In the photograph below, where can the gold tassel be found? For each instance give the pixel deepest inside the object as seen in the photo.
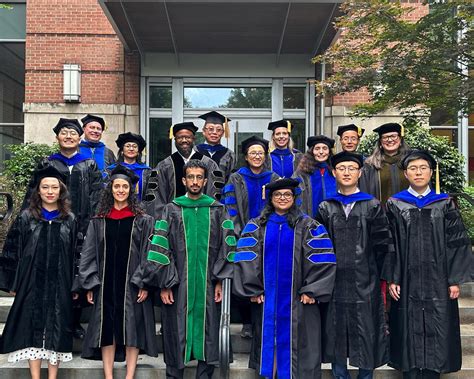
(359, 131)
(288, 125)
(105, 126)
(438, 190)
(263, 192)
(226, 129)
(402, 131)
(171, 133)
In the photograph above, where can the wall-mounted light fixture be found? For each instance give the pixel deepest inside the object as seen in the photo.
(72, 83)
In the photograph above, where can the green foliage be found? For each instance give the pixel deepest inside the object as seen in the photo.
(249, 98)
(25, 157)
(418, 137)
(467, 211)
(404, 64)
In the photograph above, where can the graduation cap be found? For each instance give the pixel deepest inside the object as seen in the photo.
(90, 118)
(182, 126)
(69, 123)
(122, 172)
(131, 137)
(254, 140)
(423, 154)
(214, 117)
(281, 183)
(390, 127)
(320, 139)
(280, 124)
(347, 156)
(49, 171)
(344, 128)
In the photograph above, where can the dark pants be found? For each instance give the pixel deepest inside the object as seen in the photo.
(421, 374)
(203, 371)
(340, 372)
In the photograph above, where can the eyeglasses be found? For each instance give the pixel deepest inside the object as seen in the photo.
(392, 137)
(184, 138)
(423, 168)
(72, 133)
(131, 146)
(282, 195)
(349, 139)
(255, 154)
(194, 177)
(214, 130)
(350, 169)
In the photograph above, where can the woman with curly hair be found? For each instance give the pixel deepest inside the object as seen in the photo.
(117, 276)
(38, 269)
(317, 182)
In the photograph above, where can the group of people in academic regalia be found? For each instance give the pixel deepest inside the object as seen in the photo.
(334, 258)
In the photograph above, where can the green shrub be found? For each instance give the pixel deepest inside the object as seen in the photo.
(418, 137)
(467, 211)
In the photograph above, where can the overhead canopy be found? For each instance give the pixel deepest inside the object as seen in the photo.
(224, 27)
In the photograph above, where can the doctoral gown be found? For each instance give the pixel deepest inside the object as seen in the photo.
(165, 182)
(354, 324)
(282, 263)
(41, 271)
(223, 156)
(433, 252)
(243, 195)
(98, 265)
(315, 188)
(97, 151)
(191, 246)
(284, 162)
(140, 169)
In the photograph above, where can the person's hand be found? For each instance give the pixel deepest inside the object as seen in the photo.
(218, 292)
(12, 293)
(257, 299)
(167, 296)
(394, 291)
(90, 297)
(305, 299)
(142, 295)
(454, 291)
(75, 296)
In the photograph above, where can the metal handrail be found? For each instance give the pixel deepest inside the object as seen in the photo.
(224, 330)
(8, 213)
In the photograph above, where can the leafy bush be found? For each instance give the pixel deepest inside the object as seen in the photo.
(418, 137)
(467, 211)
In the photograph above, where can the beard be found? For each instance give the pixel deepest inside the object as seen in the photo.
(197, 190)
(185, 151)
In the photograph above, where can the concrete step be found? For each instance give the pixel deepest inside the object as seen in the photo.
(467, 290)
(151, 368)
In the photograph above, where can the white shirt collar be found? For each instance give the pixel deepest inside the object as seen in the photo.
(186, 160)
(416, 194)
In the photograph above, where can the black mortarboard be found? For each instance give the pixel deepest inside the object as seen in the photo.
(287, 183)
(214, 117)
(347, 156)
(122, 172)
(418, 154)
(49, 171)
(254, 140)
(130, 137)
(181, 126)
(280, 124)
(90, 117)
(70, 123)
(344, 128)
(389, 128)
(320, 139)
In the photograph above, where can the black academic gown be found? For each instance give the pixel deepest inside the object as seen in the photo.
(433, 252)
(354, 324)
(137, 321)
(282, 264)
(41, 272)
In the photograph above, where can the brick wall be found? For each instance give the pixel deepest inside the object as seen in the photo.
(77, 31)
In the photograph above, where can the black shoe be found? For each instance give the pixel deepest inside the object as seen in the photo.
(246, 331)
(78, 332)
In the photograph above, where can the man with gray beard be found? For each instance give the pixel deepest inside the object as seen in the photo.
(166, 179)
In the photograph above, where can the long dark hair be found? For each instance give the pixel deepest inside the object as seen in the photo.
(106, 202)
(308, 162)
(293, 215)
(64, 204)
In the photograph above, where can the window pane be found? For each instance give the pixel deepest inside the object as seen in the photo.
(159, 143)
(13, 22)
(293, 97)
(12, 82)
(213, 98)
(298, 134)
(9, 135)
(160, 97)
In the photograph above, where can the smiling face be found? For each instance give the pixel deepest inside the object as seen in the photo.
(68, 139)
(282, 200)
(347, 174)
(321, 152)
(93, 131)
(390, 143)
(281, 137)
(194, 181)
(213, 133)
(350, 140)
(49, 191)
(130, 150)
(184, 142)
(120, 191)
(418, 173)
(255, 157)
